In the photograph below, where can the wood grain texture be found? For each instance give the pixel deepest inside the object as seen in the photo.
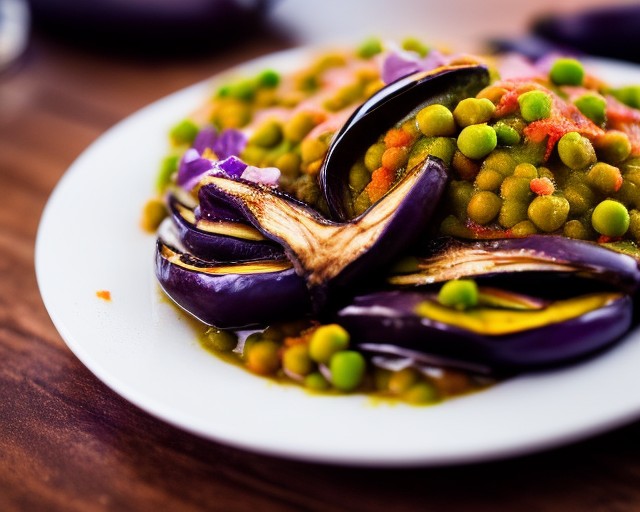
(68, 443)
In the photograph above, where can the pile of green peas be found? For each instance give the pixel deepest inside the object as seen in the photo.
(320, 359)
(504, 184)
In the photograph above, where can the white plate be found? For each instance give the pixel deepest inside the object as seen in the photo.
(140, 346)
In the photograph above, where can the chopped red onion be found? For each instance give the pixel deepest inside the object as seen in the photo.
(399, 63)
(229, 143)
(514, 65)
(263, 175)
(232, 166)
(192, 168)
(205, 139)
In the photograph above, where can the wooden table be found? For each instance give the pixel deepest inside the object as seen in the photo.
(69, 443)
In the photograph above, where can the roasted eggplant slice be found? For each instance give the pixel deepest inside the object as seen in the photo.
(232, 295)
(220, 238)
(327, 253)
(448, 258)
(383, 110)
(413, 324)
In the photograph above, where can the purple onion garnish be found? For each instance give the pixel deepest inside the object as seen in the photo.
(192, 168)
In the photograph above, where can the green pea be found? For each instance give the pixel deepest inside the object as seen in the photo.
(575, 229)
(330, 60)
(610, 218)
(580, 196)
(289, 164)
(184, 132)
(253, 155)
(545, 172)
(243, 90)
(316, 382)
(516, 188)
(629, 95)
(262, 357)
(443, 148)
(459, 194)
(373, 156)
(312, 150)
(463, 166)
(307, 189)
(634, 224)
(632, 175)
(369, 48)
(222, 341)
(361, 203)
(153, 213)
(535, 105)
(411, 44)
(168, 167)
(232, 114)
(477, 141)
(593, 106)
(421, 393)
(267, 135)
(526, 171)
(460, 294)
(501, 161)
(273, 332)
(613, 147)
(548, 213)
(359, 177)
(473, 111)
(344, 96)
(402, 380)
(488, 179)
(604, 177)
(296, 359)
(576, 151)
(567, 71)
(326, 340)
(629, 193)
(347, 370)
(436, 120)
(381, 378)
(512, 212)
(507, 136)
(483, 207)
(452, 226)
(268, 78)
(524, 228)
(298, 126)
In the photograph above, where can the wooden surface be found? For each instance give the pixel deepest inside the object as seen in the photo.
(68, 443)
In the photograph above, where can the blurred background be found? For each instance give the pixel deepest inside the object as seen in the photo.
(196, 27)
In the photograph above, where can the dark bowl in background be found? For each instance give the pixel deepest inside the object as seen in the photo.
(149, 26)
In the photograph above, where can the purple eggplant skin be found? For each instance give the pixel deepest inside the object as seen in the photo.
(214, 246)
(382, 321)
(391, 104)
(336, 255)
(447, 258)
(233, 300)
